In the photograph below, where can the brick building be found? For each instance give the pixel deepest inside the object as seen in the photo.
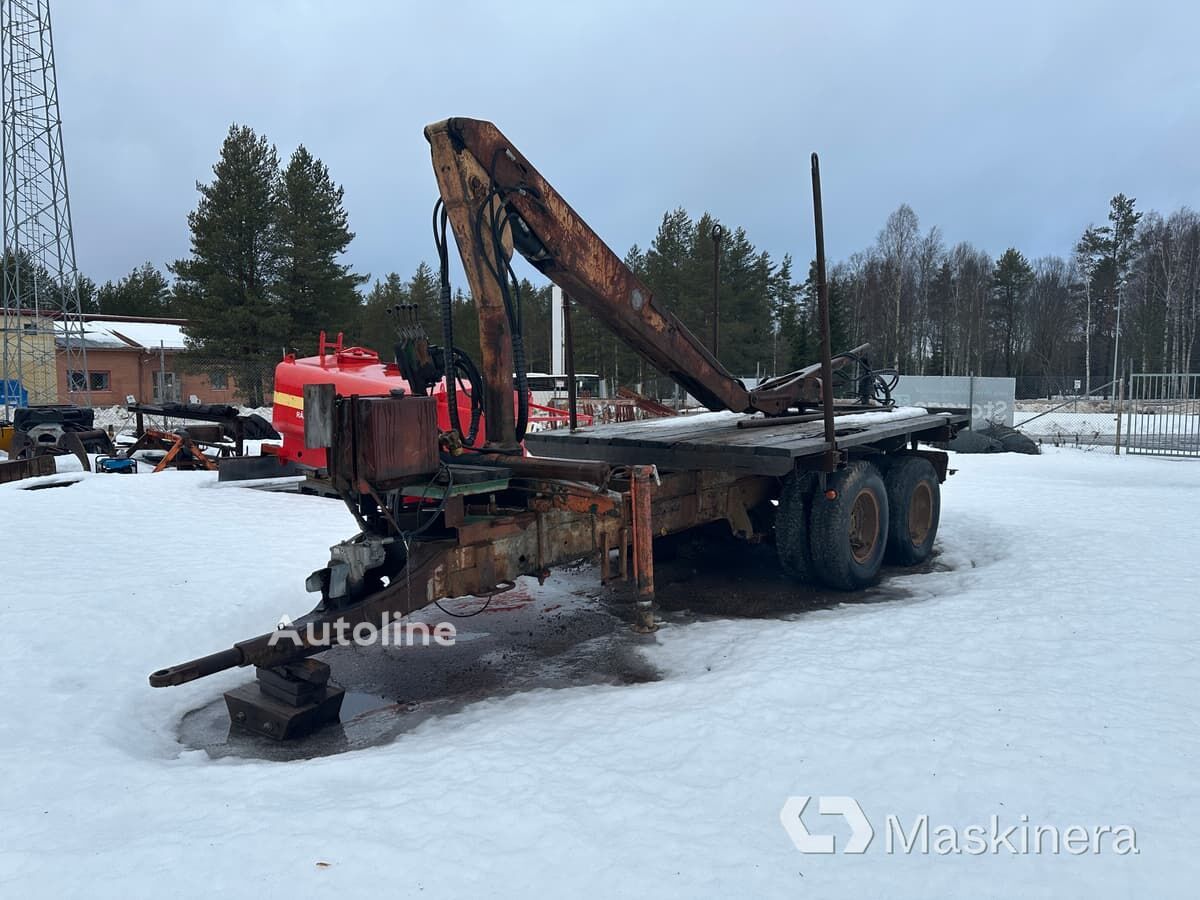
(27, 350)
(138, 357)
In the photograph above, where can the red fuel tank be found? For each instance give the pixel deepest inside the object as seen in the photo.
(352, 370)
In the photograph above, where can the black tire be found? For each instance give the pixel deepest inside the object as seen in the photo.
(1019, 443)
(849, 532)
(914, 510)
(791, 525)
(974, 442)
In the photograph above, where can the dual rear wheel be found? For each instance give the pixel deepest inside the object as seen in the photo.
(867, 515)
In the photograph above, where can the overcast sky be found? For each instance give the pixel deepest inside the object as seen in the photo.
(1006, 124)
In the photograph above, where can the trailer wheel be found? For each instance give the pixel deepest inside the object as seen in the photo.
(850, 531)
(791, 525)
(914, 509)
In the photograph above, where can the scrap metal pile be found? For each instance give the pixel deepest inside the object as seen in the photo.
(39, 434)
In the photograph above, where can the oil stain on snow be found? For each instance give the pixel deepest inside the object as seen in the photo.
(518, 643)
(523, 641)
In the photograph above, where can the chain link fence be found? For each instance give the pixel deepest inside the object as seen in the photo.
(1065, 416)
(1153, 414)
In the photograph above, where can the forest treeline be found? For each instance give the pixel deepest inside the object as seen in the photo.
(265, 274)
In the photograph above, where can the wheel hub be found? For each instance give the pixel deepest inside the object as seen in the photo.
(864, 526)
(920, 514)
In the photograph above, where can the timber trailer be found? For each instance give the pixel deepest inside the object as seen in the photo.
(837, 486)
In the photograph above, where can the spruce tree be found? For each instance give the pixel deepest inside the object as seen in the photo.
(316, 292)
(1012, 281)
(807, 342)
(784, 297)
(226, 287)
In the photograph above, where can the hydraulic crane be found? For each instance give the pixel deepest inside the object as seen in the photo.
(497, 202)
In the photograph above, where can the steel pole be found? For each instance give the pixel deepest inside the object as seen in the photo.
(717, 234)
(830, 462)
(569, 341)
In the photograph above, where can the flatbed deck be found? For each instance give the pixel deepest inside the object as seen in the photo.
(714, 440)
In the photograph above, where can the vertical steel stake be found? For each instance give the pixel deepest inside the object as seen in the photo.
(830, 461)
(718, 235)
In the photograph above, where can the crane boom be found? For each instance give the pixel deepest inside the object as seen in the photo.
(498, 202)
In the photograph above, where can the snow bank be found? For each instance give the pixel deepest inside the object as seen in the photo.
(1050, 671)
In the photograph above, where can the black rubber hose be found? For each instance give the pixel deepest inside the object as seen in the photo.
(450, 352)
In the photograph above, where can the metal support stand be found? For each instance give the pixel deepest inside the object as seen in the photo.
(643, 478)
(286, 702)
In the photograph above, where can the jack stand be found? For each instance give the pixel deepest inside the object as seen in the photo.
(641, 485)
(286, 702)
(645, 623)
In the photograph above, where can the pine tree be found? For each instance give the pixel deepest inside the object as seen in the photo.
(316, 292)
(424, 291)
(1007, 313)
(1088, 254)
(786, 313)
(941, 313)
(466, 324)
(1122, 227)
(807, 343)
(535, 325)
(143, 292)
(375, 327)
(226, 287)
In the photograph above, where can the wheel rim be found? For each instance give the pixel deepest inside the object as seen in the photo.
(864, 526)
(920, 514)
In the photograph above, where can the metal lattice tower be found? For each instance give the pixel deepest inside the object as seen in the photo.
(41, 282)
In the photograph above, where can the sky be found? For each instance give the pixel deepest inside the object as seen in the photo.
(1003, 124)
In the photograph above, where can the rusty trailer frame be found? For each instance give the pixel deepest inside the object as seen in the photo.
(532, 519)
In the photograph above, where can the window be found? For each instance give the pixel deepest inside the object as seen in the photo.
(540, 382)
(218, 381)
(166, 387)
(95, 381)
(587, 385)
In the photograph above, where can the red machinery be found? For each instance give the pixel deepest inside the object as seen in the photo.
(357, 370)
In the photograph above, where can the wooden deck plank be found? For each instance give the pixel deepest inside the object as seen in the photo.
(771, 450)
(667, 457)
(769, 436)
(655, 429)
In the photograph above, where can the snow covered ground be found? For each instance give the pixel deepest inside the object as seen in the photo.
(1047, 667)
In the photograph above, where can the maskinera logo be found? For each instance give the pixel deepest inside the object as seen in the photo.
(1021, 838)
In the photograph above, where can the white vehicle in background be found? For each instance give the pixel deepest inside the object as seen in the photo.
(551, 390)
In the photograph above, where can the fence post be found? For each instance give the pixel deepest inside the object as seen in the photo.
(1120, 399)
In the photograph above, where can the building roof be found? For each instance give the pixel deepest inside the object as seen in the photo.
(126, 333)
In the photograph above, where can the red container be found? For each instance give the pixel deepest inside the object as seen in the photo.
(353, 370)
